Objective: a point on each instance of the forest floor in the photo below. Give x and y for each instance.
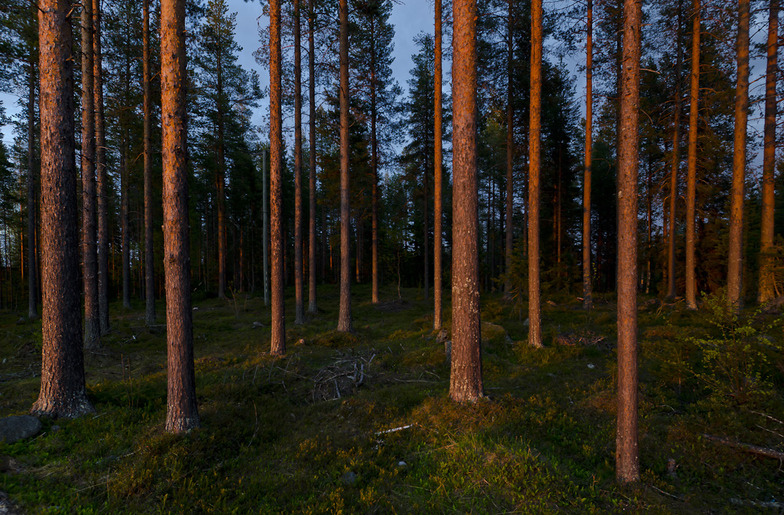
(363, 423)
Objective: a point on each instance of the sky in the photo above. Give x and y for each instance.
(408, 16)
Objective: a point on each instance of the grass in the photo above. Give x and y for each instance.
(275, 439)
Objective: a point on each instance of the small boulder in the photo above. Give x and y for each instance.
(349, 478)
(14, 429)
(442, 336)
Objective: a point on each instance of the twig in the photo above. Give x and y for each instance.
(766, 416)
(757, 504)
(395, 429)
(659, 490)
(753, 449)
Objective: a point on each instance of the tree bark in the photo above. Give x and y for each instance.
(92, 331)
(466, 374)
(149, 251)
(299, 303)
(534, 142)
(438, 170)
(265, 226)
(102, 183)
(32, 268)
(766, 279)
(374, 170)
(735, 257)
(344, 317)
(509, 154)
(627, 452)
(182, 413)
(587, 286)
(676, 141)
(220, 178)
(312, 307)
(62, 366)
(691, 180)
(278, 337)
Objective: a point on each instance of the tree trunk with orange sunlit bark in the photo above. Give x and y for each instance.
(437, 172)
(766, 279)
(32, 268)
(691, 179)
(534, 161)
(92, 322)
(466, 375)
(735, 257)
(627, 459)
(62, 391)
(587, 286)
(278, 335)
(182, 413)
(344, 316)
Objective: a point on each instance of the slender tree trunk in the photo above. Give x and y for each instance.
(100, 172)
(62, 366)
(425, 232)
(437, 171)
(278, 338)
(265, 224)
(735, 258)
(182, 413)
(691, 180)
(92, 333)
(509, 153)
(312, 307)
(344, 317)
(220, 180)
(299, 303)
(676, 141)
(124, 221)
(535, 128)
(587, 286)
(466, 374)
(32, 268)
(149, 251)
(626, 451)
(766, 279)
(374, 168)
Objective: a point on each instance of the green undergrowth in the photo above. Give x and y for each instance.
(362, 422)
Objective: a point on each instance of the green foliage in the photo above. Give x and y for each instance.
(737, 354)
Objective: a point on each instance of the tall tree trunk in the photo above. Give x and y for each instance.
(32, 267)
(221, 180)
(374, 168)
(587, 286)
(312, 307)
(265, 225)
(92, 332)
(425, 232)
(735, 258)
(766, 279)
(344, 316)
(535, 128)
(691, 179)
(626, 450)
(182, 413)
(466, 375)
(278, 337)
(509, 153)
(299, 303)
(62, 365)
(100, 172)
(124, 222)
(676, 143)
(437, 171)
(149, 251)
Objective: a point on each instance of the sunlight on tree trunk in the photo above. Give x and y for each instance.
(344, 316)
(312, 307)
(691, 180)
(437, 171)
(587, 287)
(534, 163)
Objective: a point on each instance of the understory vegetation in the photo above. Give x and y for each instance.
(362, 423)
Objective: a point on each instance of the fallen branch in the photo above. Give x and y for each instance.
(395, 429)
(757, 504)
(753, 449)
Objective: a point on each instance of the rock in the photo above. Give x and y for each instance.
(256, 325)
(349, 478)
(14, 429)
(494, 333)
(442, 336)
(448, 351)
(6, 506)
(527, 322)
(401, 463)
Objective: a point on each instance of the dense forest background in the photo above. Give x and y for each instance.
(405, 148)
